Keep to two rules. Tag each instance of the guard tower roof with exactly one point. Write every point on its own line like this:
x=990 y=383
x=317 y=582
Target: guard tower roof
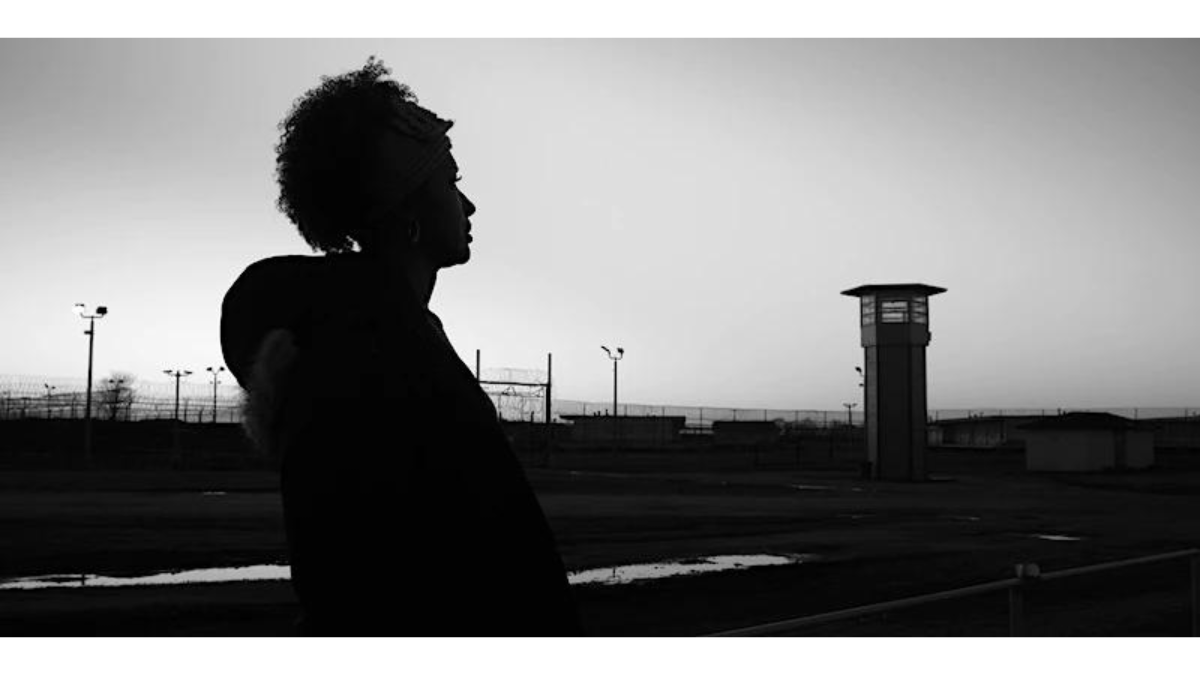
x=915 y=289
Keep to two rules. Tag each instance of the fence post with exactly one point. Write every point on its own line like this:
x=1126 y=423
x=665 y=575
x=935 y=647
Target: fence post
x=1016 y=610
x=1026 y=573
x=1195 y=595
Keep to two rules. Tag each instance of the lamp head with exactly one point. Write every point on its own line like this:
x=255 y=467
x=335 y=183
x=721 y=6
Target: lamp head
x=620 y=351
x=101 y=311
x=606 y=350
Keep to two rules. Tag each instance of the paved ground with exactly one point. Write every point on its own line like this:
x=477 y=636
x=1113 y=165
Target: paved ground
x=878 y=541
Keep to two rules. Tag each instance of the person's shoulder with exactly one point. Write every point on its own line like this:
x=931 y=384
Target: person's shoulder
x=281 y=268
x=292 y=275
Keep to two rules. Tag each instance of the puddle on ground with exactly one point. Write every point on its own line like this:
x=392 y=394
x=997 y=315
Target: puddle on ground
x=813 y=487
x=214 y=493
x=607 y=575
x=856 y=516
x=602 y=474
x=1056 y=537
x=201 y=576
x=965 y=519
x=672 y=568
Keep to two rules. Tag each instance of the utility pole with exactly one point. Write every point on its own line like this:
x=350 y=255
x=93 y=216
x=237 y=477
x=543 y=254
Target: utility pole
x=87 y=410
x=49 y=399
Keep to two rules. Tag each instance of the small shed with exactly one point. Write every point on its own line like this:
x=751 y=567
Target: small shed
x=1086 y=441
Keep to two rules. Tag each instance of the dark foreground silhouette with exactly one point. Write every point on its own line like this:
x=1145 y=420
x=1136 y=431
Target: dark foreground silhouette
x=406 y=510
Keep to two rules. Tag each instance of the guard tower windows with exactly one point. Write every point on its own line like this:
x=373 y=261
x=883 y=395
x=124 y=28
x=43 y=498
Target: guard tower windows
x=868 y=310
x=893 y=310
x=920 y=310
x=896 y=310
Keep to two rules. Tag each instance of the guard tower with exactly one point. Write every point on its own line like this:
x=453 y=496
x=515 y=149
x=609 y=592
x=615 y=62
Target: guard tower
x=895 y=331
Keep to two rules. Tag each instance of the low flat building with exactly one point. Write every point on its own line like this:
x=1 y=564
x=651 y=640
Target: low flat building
x=1180 y=433
x=746 y=433
x=1087 y=442
x=983 y=431
x=625 y=431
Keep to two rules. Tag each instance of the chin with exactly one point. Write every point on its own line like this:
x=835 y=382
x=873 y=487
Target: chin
x=459 y=259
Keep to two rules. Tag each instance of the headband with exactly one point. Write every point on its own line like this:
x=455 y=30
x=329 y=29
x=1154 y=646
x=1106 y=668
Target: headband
x=420 y=144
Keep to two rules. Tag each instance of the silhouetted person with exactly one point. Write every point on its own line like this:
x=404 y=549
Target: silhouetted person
x=405 y=508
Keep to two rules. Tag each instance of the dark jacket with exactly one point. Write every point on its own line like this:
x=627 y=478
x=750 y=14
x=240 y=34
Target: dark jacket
x=406 y=510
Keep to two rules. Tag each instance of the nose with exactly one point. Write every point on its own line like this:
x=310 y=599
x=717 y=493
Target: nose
x=468 y=205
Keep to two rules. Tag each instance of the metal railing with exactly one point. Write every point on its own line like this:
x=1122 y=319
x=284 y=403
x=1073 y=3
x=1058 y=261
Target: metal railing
x=1027 y=575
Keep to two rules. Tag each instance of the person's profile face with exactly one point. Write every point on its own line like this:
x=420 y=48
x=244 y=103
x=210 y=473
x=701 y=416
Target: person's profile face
x=443 y=212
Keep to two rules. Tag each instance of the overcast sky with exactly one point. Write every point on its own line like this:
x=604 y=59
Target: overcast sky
x=700 y=203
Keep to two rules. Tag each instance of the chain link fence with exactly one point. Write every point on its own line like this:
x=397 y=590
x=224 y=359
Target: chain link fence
x=519 y=395
x=60 y=398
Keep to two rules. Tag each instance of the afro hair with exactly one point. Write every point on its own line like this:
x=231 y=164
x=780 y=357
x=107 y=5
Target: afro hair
x=325 y=153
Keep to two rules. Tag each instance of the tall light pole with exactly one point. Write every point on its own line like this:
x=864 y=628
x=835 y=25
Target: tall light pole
x=620 y=355
x=100 y=312
x=616 y=420
x=177 y=374
x=215 y=374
